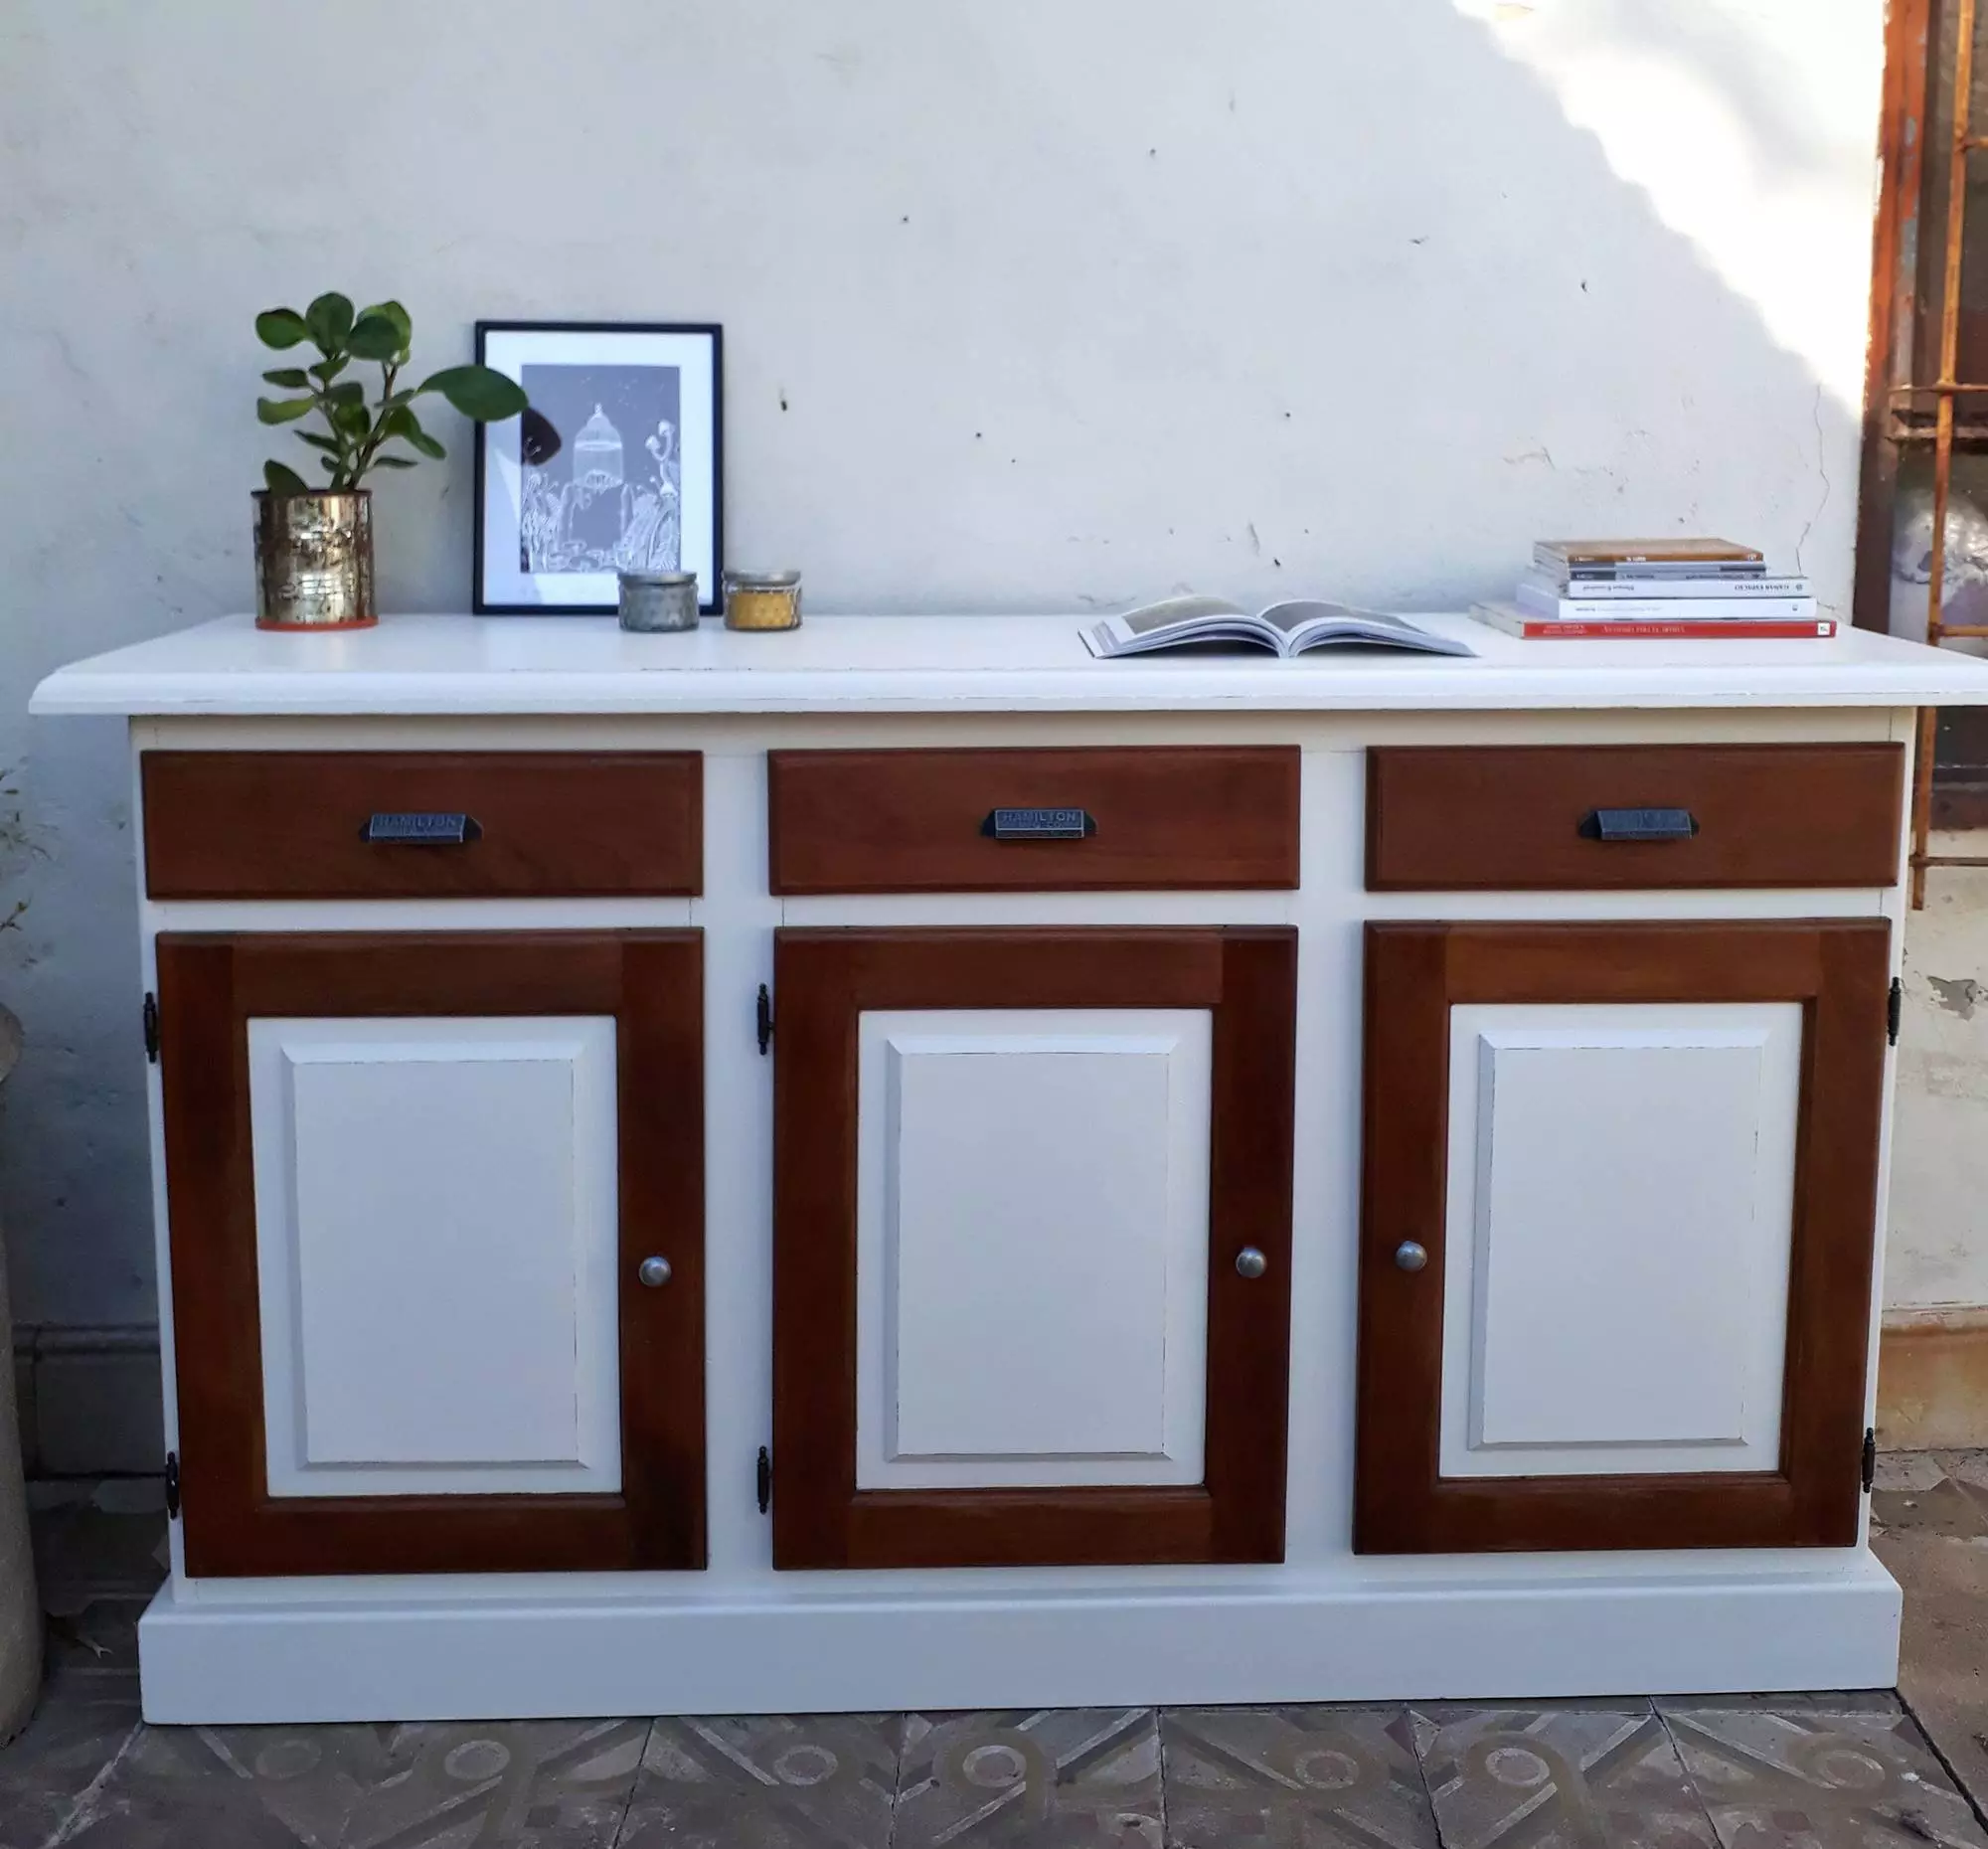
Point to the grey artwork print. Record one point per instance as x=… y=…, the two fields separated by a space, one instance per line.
x=609 y=498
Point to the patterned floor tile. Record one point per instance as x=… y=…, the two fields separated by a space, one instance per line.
x=245 y=1787
x=1572 y=1776
x=1967 y=1468
x=69 y=1742
x=1828 y=1701
x=551 y=1784
x=1907 y=1473
x=107 y=1543
x=1048 y=1779
x=1944 y=1509
x=99 y=1641
x=548 y=1784
x=1809 y=1779
x=1293 y=1778
x=766 y=1781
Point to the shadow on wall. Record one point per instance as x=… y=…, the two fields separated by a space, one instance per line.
x=1029 y=308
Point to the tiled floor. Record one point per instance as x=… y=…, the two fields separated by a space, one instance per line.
x=1805 y=1771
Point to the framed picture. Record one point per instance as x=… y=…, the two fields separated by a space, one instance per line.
x=617 y=466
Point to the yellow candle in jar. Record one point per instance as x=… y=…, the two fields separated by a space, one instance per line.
x=763 y=600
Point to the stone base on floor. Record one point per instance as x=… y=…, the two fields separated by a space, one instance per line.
x=90 y=1400
x=1932 y=1381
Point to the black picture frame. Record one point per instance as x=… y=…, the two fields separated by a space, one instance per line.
x=505 y=346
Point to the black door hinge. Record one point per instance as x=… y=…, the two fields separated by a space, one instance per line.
x=765 y=1477
x=766 y=1019
x=1895 y=1011
x=1870 y=1472
x=152 y=1028
x=172 y=1486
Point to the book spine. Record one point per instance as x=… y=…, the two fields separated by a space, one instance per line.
x=1548 y=553
x=1556 y=630
x=1540 y=601
x=1655 y=574
x=1673 y=589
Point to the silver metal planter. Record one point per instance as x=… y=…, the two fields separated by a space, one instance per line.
x=314 y=559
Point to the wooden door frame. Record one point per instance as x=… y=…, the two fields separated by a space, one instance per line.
x=1839 y=971
x=651 y=982
x=824 y=981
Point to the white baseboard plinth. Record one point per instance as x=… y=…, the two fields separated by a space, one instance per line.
x=407 y=1659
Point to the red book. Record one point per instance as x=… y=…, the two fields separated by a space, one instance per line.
x=1646 y=629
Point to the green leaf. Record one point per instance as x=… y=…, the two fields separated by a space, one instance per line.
x=401 y=422
x=347 y=391
x=328 y=370
x=328 y=320
x=374 y=337
x=478 y=392
x=320 y=443
x=394 y=312
x=328 y=466
x=293 y=375
x=281 y=327
x=395 y=462
x=283 y=479
x=283 y=409
x=353 y=418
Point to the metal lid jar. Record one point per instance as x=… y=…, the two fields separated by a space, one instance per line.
x=763 y=600
x=652 y=601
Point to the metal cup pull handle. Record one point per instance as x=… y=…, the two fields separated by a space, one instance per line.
x=1066 y=823
x=1648 y=825
x=421 y=828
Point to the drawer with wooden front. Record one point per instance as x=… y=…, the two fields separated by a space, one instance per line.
x=1590 y=817
x=1132 y=818
x=422 y=824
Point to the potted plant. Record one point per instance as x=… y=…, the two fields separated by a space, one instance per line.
x=314 y=546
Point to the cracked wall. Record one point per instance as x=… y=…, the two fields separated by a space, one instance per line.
x=1032 y=307
x=1939 y=1254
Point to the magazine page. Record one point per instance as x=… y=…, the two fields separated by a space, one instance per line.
x=1153 y=618
x=1175 y=623
x=1307 y=622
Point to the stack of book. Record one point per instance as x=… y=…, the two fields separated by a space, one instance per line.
x=1613 y=589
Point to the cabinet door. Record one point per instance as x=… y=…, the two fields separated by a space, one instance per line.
x=1618 y=1215
x=411 y=1180
x=1015 y=1171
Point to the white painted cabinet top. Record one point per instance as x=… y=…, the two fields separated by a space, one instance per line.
x=441 y=666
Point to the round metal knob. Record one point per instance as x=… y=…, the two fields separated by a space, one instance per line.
x=1411 y=1255
x=656 y=1273
x=1249 y=1262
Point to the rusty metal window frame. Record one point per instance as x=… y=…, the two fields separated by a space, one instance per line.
x=1914 y=397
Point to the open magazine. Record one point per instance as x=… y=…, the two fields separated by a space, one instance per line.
x=1287 y=628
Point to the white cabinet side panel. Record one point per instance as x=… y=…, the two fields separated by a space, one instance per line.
x=1620 y=1206
x=436 y=1250
x=1031 y=1247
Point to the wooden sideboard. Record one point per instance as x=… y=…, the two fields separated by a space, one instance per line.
x=895 y=1166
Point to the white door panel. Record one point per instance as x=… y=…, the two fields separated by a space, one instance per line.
x=1031 y=1247
x=1618 y=1234
x=436 y=1212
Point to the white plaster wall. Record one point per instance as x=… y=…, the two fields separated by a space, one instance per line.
x=1938 y=1257
x=1035 y=305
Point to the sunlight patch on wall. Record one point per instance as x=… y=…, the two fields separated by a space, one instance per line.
x=1752 y=127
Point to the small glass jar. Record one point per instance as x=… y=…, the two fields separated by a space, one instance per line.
x=763 y=600
x=657 y=600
